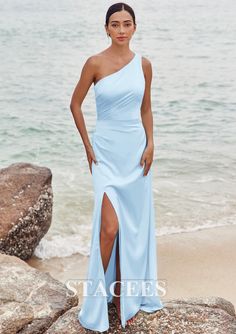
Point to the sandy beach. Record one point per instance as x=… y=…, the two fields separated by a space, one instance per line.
x=192 y=264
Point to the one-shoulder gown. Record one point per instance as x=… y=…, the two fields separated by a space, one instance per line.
x=118 y=142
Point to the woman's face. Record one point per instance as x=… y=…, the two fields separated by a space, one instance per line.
x=121 y=27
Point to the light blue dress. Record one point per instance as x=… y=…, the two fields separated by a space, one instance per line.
x=118 y=142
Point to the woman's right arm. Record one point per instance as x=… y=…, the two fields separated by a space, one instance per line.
x=80 y=91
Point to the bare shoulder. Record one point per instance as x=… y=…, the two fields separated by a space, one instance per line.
x=147 y=67
x=90 y=69
x=93 y=63
x=95 y=60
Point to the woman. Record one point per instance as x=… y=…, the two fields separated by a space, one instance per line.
x=123 y=249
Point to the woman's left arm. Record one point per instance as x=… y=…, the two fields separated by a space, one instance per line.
x=147 y=118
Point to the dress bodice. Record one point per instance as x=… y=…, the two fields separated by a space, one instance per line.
x=119 y=95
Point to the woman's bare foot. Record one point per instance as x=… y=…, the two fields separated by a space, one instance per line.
x=116 y=302
x=131 y=320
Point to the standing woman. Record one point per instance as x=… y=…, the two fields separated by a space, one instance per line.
x=123 y=245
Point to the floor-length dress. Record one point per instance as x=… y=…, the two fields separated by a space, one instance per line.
x=118 y=142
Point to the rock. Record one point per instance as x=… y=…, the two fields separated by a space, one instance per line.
x=30 y=300
x=206 y=315
x=188 y=316
x=25 y=208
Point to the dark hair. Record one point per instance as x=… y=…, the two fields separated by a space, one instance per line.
x=117 y=7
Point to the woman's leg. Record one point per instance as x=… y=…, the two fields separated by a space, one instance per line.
x=108 y=232
x=109 y=229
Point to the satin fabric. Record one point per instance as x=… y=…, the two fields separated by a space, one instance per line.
x=118 y=141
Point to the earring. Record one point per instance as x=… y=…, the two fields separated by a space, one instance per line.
x=108 y=35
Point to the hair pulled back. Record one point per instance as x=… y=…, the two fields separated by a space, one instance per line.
x=117 y=7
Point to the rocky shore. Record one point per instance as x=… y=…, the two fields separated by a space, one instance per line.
x=33 y=302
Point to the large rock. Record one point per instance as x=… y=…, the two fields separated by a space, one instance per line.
x=188 y=316
x=30 y=300
x=25 y=208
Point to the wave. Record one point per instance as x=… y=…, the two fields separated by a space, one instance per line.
x=64 y=246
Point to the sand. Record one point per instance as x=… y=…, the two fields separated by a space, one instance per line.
x=193 y=264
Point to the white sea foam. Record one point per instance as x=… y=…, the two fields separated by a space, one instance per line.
x=59 y=246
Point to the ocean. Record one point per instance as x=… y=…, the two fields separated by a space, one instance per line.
x=192 y=48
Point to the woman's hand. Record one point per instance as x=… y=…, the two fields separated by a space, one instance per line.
x=90 y=156
x=147 y=158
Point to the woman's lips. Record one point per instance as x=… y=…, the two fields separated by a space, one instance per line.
x=121 y=37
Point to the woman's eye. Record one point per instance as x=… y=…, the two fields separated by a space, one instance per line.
x=115 y=25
